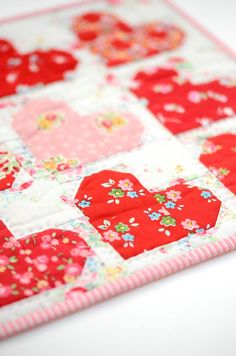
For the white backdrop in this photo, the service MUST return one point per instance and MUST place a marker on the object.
(191, 313)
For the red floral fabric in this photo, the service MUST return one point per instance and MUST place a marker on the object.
(17, 69)
(133, 220)
(117, 42)
(38, 262)
(219, 155)
(9, 166)
(181, 105)
(92, 25)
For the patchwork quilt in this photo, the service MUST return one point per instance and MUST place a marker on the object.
(117, 154)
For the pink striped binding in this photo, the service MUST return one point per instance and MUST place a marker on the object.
(147, 275)
(140, 278)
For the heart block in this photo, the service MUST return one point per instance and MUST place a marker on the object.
(181, 105)
(219, 155)
(9, 167)
(51, 129)
(134, 220)
(118, 42)
(38, 262)
(37, 67)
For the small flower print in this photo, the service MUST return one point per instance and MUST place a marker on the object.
(28, 292)
(84, 203)
(125, 184)
(210, 147)
(173, 195)
(46, 262)
(46, 121)
(73, 269)
(200, 231)
(132, 194)
(196, 96)
(168, 221)
(120, 227)
(24, 278)
(117, 193)
(42, 259)
(129, 239)
(112, 273)
(4, 260)
(154, 216)
(110, 121)
(5, 291)
(170, 205)
(189, 224)
(160, 198)
(58, 163)
(42, 284)
(11, 243)
(8, 165)
(164, 211)
(48, 242)
(206, 194)
(162, 88)
(111, 235)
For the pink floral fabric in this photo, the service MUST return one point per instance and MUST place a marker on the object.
(51, 128)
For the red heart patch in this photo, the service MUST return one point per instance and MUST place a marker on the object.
(118, 43)
(9, 167)
(38, 262)
(219, 155)
(92, 25)
(31, 68)
(133, 220)
(181, 105)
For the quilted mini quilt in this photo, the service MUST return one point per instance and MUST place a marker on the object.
(117, 154)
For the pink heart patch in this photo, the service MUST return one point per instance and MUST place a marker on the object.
(54, 132)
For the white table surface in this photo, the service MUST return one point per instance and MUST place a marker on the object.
(191, 313)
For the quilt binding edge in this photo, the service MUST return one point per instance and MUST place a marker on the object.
(147, 275)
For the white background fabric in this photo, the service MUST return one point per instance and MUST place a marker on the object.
(191, 313)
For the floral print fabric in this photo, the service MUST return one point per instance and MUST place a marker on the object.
(9, 167)
(51, 129)
(18, 70)
(117, 42)
(219, 155)
(59, 144)
(134, 220)
(38, 262)
(181, 105)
